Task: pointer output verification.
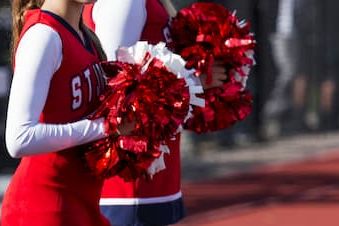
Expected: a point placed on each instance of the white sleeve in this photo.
(118, 23)
(38, 56)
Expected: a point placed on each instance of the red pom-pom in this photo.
(143, 90)
(225, 106)
(206, 32)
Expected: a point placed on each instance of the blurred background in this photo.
(6, 163)
(295, 89)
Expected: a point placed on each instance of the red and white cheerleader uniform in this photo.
(142, 202)
(56, 84)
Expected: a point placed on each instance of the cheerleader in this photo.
(56, 84)
(142, 202)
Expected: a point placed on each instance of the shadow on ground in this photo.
(314, 181)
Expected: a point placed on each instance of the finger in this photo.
(219, 70)
(218, 83)
(219, 76)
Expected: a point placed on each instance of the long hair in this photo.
(95, 40)
(19, 8)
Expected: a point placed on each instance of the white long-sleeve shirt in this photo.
(38, 57)
(118, 23)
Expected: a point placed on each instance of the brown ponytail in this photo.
(95, 40)
(19, 7)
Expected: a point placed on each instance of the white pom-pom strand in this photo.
(174, 63)
(143, 53)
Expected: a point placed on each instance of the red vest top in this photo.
(166, 182)
(56, 189)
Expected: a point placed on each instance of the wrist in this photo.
(109, 130)
(116, 134)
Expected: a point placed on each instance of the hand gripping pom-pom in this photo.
(150, 86)
(203, 33)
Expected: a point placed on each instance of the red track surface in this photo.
(297, 194)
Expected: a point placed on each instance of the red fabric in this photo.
(166, 182)
(87, 16)
(57, 189)
(157, 20)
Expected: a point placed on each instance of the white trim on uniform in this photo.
(137, 201)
